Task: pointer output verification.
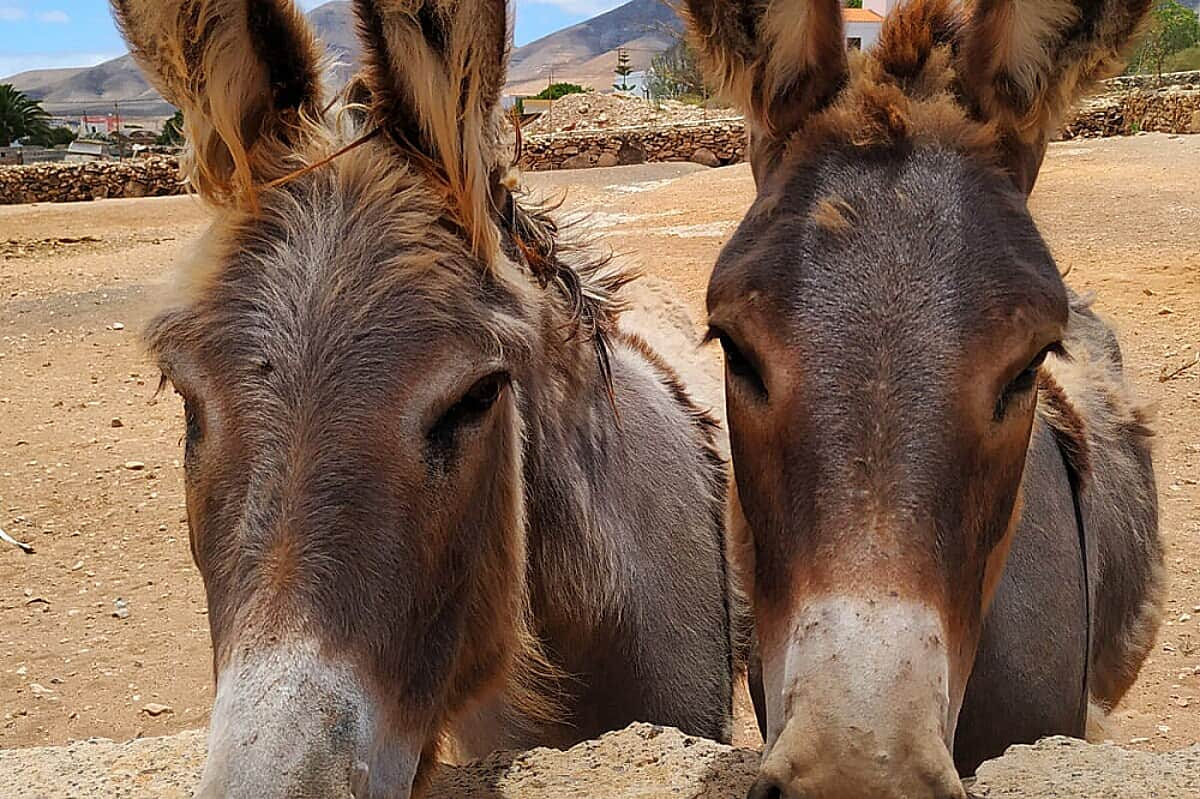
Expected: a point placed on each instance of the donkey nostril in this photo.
(765, 788)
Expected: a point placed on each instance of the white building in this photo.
(863, 24)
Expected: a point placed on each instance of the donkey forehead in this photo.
(317, 278)
(914, 235)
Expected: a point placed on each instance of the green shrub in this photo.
(556, 90)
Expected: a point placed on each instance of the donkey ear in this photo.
(246, 73)
(1026, 62)
(778, 60)
(435, 69)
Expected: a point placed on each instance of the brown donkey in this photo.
(435, 488)
(925, 423)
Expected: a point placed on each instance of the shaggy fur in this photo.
(247, 109)
(994, 80)
(783, 60)
(1025, 63)
(1110, 442)
(863, 347)
(549, 570)
(422, 53)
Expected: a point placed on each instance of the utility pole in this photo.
(120, 141)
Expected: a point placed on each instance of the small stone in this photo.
(705, 157)
(39, 690)
(1185, 617)
(134, 466)
(155, 709)
(77, 566)
(1165, 311)
(121, 609)
(118, 326)
(116, 422)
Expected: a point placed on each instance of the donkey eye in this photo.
(484, 393)
(191, 418)
(471, 407)
(1024, 382)
(738, 364)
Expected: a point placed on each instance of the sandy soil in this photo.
(90, 458)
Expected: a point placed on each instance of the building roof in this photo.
(860, 15)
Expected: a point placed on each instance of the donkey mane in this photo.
(905, 91)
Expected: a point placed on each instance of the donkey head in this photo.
(884, 309)
(349, 343)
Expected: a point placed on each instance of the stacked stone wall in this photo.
(91, 180)
(712, 143)
(1175, 109)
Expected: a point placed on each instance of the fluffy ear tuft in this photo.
(780, 61)
(435, 69)
(247, 75)
(1026, 62)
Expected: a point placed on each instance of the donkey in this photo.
(944, 502)
(436, 487)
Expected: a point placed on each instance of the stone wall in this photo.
(1124, 83)
(639, 762)
(92, 180)
(712, 143)
(1175, 110)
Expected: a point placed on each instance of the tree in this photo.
(623, 71)
(853, 4)
(561, 89)
(1173, 28)
(52, 137)
(172, 132)
(676, 72)
(20, 116)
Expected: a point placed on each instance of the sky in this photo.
(38, 34)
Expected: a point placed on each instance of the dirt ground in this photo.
(108, 617)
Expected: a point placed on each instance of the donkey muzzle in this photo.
(859, 704)
(289, 724)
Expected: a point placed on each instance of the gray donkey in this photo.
(944, 500)
(437, 489)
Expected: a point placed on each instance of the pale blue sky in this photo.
(37, 34)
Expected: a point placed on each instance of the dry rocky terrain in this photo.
(103, 630)
(594, 111)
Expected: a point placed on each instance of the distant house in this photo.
(864, 24)
(94, 125)
(85, 150)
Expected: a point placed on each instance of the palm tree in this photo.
(20, 116)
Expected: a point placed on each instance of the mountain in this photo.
(94, 90)
(36, 79)
(585, 53)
